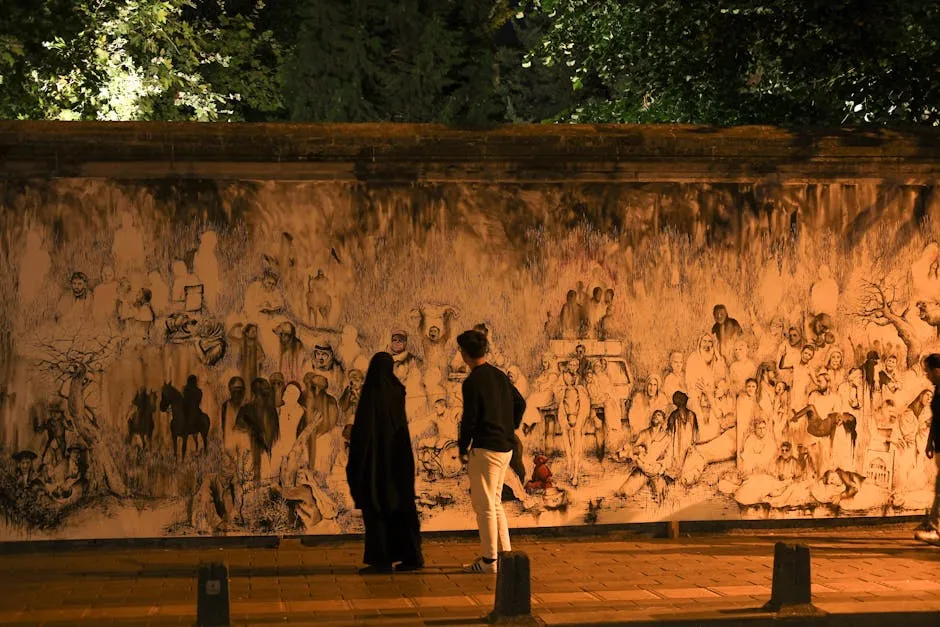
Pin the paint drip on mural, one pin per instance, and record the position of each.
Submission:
(186, 358)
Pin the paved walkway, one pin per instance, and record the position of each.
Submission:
(610, 578)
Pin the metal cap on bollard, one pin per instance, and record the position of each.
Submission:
(212, 601)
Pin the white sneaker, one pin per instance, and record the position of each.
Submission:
(479, 566)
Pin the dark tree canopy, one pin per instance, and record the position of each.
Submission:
(741, 62)
(473, 61)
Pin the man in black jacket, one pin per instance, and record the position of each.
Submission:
(492, 411)
(930, 531)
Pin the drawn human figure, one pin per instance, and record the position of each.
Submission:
(594, 311)
(789, 354)
(139, 323)
(140, 420)
(265, 306)
(160, 293)
(26, 474)
(682, 427)
(771, 342)
(645, 401)
(571, 318)
(718, 412)
(232, 440)
(835, 366)
(34, 266)
(747, 409)
(258, 420)
(250, 352)
(278, 383)
(124, 305)
(652, 458)
(325, 445)
(291, 354)
(408, 370)
(216, 503)
(674, 375)
(574, 407)
(803, 380)
(822, 406)
(326, 365)
(741, 369)
(319, 301)
(71, 487)
(605, 326)
(759, 451)
(104, 297)
(602, 393)
(906, 476)
(128, 250)
(192, 403)
(786, 466)
(702, 369)
(290, 416)
(541, 395)
(74, 308)
(206, 267)
(349, 399)
(766, 379)
(726, 330)
(349, 351)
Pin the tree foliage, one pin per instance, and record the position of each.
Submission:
(135, 59)
(408, 61)
(473, 61)
(746, 61)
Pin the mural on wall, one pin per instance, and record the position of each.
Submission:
(184, 358)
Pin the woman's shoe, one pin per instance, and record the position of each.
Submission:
(375, 570)
(404, 568)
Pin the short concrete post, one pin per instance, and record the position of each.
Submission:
(212, 605)
(791, 591)
(513, 590)
(672, 529)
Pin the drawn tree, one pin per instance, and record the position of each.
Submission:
(879, 302)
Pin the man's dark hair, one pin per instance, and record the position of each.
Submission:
(718, 308)
(932, 361)
(473, 343)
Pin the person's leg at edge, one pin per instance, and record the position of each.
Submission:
(481, 470)
(502, 525)
(929, 531)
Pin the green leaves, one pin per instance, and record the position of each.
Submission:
(771, 61)
(135, 60)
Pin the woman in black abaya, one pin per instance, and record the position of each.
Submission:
(381, 472)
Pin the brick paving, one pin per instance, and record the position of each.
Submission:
(615, 577)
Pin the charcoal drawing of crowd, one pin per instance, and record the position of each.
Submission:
(246, 403)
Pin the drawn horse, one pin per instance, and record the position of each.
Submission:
(183, 422)
(140, 423)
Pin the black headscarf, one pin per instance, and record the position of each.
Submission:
(381, 466)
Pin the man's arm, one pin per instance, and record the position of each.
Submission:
(518, 407)
(469, 418)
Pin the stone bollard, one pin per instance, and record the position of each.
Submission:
(212, 605)
(513, 591)
(672, 529)
(791, 591)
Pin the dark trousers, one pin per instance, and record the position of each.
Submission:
(392, 537)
